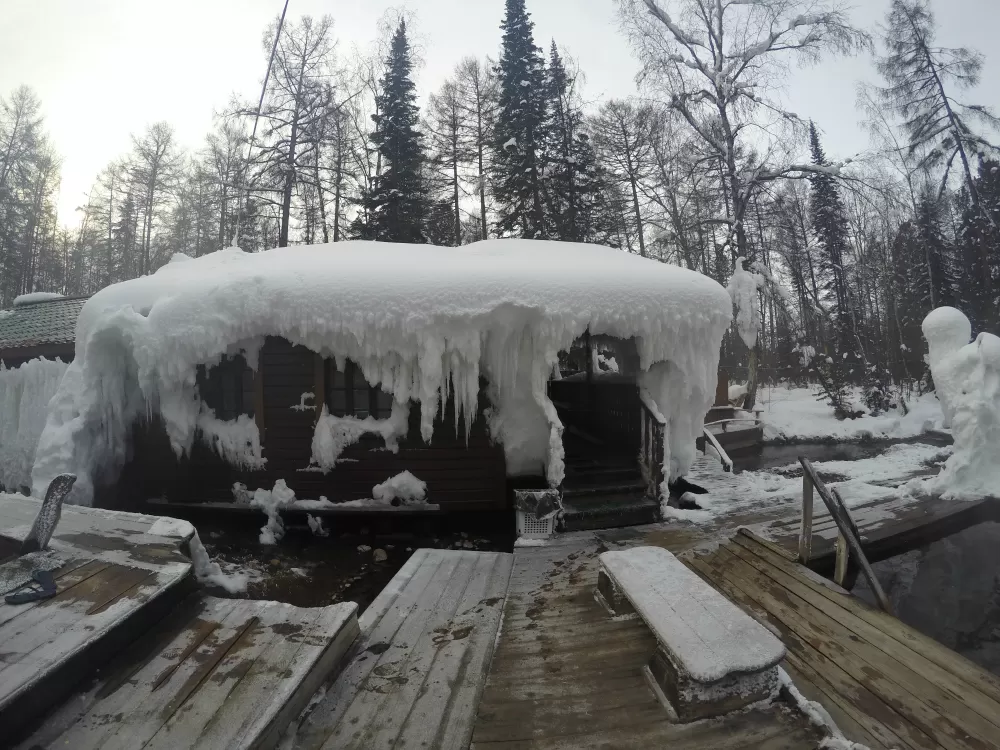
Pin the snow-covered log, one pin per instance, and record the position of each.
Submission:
(419, 321)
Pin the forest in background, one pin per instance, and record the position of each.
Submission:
(702, 167)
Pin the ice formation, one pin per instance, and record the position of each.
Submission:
(967, 380)
(271, 502)
(403, 487)
(25, 392)
(209, 572)
(420, 321)
(333, 434)
(743, 288)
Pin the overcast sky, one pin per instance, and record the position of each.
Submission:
(107, 68)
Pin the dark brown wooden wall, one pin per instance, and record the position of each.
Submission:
(459, 476)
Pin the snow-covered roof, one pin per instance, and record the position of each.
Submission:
(417, 319)
(35, 323)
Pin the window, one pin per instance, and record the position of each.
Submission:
(348, 393)
(227, 388)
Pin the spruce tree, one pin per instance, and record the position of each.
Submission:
(519, 135)
(980, 242)
(396, 202)
(830, 226)
(575, 185)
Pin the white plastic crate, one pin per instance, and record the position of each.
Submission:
(530, 527)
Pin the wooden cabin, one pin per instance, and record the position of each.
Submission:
(459, 476)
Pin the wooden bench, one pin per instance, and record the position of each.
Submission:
(712, 657)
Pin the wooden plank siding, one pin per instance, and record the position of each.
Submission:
(460, 476)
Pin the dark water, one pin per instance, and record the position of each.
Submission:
(949, 591)
(775, 455)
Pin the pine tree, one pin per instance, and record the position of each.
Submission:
(980, 241)
(520, 135)
(830, 225)
(938, 255)
(396, 202)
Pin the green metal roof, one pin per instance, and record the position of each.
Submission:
(39, 323)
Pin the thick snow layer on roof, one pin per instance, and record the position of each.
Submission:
(409, 315)
(27, 299)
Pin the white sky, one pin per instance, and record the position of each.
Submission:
(107, 68)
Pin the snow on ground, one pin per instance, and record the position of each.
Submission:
(800, 415)
(858, 482)
(25, 392)
(418, 320)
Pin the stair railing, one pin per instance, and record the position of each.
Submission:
(727, 462)
(652, 430)
(848, 538)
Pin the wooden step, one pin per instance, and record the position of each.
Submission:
(577, 489)
(609, 512)
(217, 673)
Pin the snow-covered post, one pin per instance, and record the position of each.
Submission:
(743, 287)
(967, 380)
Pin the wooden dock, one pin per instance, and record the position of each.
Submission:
(216, 673)
(566, 675)
(885, 684)
(414, 678)
(116, 579)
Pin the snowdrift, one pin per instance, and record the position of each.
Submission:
(421, 321)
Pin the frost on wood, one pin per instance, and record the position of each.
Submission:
(967, 379)
(421, 322)
(403, 487)
(743, 288)
(25, 392)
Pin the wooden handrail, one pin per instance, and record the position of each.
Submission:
(652, 440)
(727, 462)
(848, 538)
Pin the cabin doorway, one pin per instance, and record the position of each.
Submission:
(597, 399)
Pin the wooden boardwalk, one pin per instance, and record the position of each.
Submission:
(116, 579)
(885, 684)
(414, 678)
(217, 673)
(566, 675)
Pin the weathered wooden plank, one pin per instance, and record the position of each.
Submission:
(948, 721)
(67, 577)
(878, 718)
(374, 702)
(424, 588)
(919, 645)
(953, 681)
(457, 677)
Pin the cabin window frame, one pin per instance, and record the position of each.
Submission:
(228, 388)
(348, 394)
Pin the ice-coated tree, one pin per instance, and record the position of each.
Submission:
(719, 65)
(921, 78)
(519, 135)
(396, 201)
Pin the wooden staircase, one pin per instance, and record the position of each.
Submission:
(604, 490)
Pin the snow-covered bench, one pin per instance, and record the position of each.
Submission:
(712, 657)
